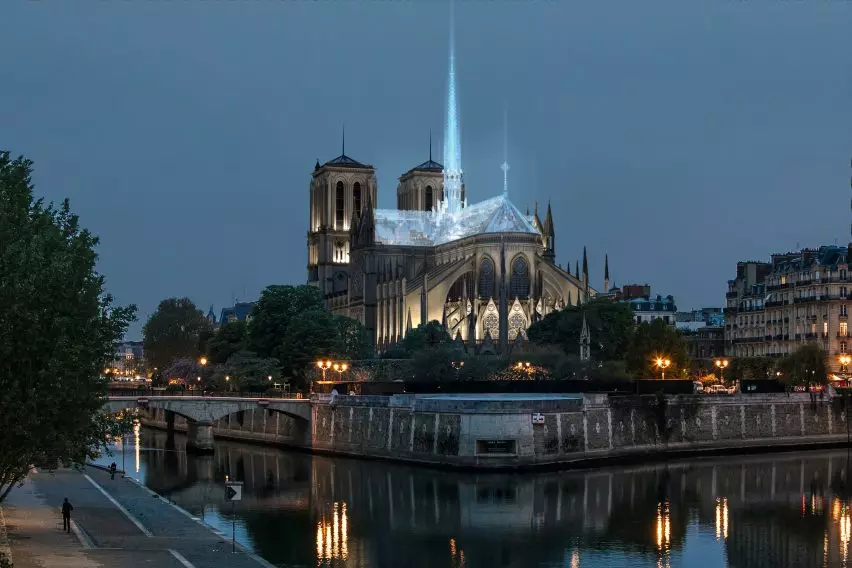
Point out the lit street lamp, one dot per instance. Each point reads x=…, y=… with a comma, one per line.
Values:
x=340, y=368
x=722, y=364
x=457, y=365
x=325, y=366
x=663, y=364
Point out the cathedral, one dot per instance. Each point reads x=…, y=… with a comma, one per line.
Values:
x=485, y=270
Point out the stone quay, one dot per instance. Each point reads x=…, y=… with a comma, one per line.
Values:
x=506, y=431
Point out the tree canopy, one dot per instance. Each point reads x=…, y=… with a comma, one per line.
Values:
x=277, y=307
x=610, y=326
x=176, y=330
x=230, y=338
x=59, y=328
x=428, y=336
x=804, y=366
x=656, y=340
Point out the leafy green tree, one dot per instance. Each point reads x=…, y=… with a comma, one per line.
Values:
x=354, y=340
x=804, y=366
x=656, y=340
x=277, y=307
x=748, y=368
x=436, y=364
x=246, y=371
x=230, y=338
x=429, y=336
x=187, y=370
x=175, y=331
x=610, y=327
x=59, y=328
x=311, y=336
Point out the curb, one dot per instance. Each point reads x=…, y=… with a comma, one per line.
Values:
x=5, y=547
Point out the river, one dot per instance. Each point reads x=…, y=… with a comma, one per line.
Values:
x=298, y=510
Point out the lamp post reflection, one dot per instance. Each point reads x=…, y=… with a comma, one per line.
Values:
x=664, y=534
x=333, y=536
x=721, y=518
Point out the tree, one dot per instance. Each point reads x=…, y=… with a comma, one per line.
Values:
x=175, y=331
x=804, y=366
x=310, y=336
x=59, y=328
x=749, y=368
x=277, y=306
x=354, y=340
x=431, y=335
x=247, y=371
x=610, y=327
x=653, y=340
x=185, y=369
x=230, y=338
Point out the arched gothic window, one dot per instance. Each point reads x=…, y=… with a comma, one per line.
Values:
x=356, y=198
x=519, y=284
x=339, y=204
x=486, y=278
x=491, y=321
x=429, y=198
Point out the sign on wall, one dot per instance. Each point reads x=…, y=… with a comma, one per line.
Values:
x=538, y=418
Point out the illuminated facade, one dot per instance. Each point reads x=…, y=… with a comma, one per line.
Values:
x=487, y=271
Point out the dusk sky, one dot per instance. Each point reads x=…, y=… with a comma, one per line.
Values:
x=678, y=137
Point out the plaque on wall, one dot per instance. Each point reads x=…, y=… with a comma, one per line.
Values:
x=495, y=447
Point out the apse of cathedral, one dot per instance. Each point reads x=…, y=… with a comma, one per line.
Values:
x=485, y=270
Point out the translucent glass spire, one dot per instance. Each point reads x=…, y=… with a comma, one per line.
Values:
x=452, y=137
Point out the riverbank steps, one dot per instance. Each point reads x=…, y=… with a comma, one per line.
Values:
x=116, y=523
x=523, y=431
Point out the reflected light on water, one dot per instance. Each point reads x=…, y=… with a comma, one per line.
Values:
x=137, y=426
x=456, y=554
x=845, y=534
x=721, y=518
x=664, y=534
x=333, y=535
x=575, y=558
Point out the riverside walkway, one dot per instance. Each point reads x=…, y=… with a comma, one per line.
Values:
x=116, y=524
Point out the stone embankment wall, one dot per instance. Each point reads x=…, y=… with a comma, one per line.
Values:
x=510, y=431
x=502, y=433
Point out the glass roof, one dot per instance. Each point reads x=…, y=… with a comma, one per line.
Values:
x=426, y=228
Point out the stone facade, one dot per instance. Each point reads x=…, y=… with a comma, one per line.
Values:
x=499, y=431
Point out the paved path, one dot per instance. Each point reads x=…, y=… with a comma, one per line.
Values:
x=117, y=524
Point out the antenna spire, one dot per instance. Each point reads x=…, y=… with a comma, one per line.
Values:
x=343, y=141
x=430, y=144
x=505, y=166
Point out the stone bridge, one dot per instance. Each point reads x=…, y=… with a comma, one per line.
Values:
x=201, y=411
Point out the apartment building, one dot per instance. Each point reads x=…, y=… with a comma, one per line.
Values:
x=775, y=307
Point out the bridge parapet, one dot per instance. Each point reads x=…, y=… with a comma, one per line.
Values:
x=202, y=411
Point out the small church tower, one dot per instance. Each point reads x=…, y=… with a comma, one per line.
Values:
x=549, y=235
x=585, y=341
x=606, y=275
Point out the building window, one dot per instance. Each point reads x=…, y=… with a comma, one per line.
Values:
x=486, y=278
x=340, y=204
x=825, y=328
x=519, y=283
x=843, y=347
x=844, y=329
x=356, y=198
x=429, y=198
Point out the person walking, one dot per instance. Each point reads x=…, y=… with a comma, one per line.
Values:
x=112, y=469
x=66, y=515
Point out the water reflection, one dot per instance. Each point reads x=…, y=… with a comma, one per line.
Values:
x=766, y=511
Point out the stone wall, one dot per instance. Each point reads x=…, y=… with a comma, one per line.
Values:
x=498, y=430
x=492, y=431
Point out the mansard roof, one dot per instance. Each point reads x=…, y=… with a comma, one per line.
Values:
x=426, y=228
x=344, y=161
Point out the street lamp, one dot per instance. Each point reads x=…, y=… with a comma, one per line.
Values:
x=663, y=364
x=340, y=368
x=844, y=362
x=325, y=366
x=457, y=365
x=722, y=364
x=203, y=361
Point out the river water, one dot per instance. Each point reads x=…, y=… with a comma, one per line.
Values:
x=300, y=510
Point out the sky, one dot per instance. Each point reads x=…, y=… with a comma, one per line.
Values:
x=676, y=137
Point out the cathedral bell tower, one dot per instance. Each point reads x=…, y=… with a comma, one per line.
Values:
x=340, y=189
x=421, y=187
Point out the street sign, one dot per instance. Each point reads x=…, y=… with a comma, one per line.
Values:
x=538, y=418
x=233, y=491
x=262, y=402
x=142, y=400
